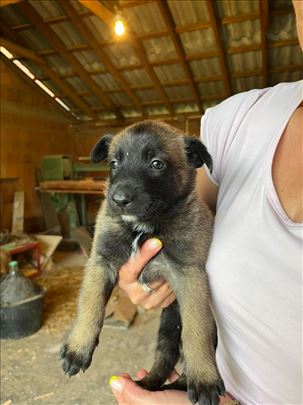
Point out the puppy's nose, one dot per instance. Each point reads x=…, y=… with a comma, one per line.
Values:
x=122, y=198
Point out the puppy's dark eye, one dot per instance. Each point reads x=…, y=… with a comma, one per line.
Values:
x=157, y=164
x=114, y=164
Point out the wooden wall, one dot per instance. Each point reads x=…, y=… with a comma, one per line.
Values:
x=30, y=128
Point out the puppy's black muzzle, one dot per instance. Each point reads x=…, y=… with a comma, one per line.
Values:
x=123, y=197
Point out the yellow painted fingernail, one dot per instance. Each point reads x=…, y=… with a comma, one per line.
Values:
x=155, y=243
x=115, y=383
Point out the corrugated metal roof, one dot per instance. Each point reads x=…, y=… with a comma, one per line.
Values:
x=105, y=81
x=59, y=65
x=198, y=41
x=188, y=12
x=11, y=16
x=34, y=40
x=242, y=33
x=248, y=61
x=168, y=73
x=77, y=84
x=210, y=103
x=159, y=49
x=284, y=55
x=184, y=108
x=247, y=83
x=212, y=88
x=178, y=92
x=136, y=77
x=276, y=4
x=129, y=112
x=92, y=101
x=122, y=54
x=47, y=8
x=281, y=77
x=156, y=110
x=205, y=67
x=68, y=34
x=228, y=8
x=98, y=28
x=78, y=6
x=89, y=60
x=282, y=27
x=106, y=115
x=147, y=95
x=150, y=14
x=119, y=99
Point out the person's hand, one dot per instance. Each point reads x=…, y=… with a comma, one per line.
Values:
x=127, y=392
x=162, y=294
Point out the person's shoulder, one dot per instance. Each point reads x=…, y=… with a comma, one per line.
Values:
x=240, y=103
x=232, y=108
x=219, y=126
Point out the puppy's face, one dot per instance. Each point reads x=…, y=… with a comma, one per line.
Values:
x=152, y=167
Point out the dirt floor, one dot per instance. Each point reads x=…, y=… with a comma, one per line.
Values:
x=30, y=370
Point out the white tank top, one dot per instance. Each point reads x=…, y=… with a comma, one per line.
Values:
x=255, y=260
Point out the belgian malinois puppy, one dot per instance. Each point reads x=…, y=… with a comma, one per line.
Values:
x=151, y=192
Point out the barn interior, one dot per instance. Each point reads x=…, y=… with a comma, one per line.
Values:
x=68, y=78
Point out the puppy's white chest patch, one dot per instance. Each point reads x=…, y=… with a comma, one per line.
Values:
x=135, y=245
x=139, y=227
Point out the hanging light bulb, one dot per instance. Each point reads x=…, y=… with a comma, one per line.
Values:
x=119, y=26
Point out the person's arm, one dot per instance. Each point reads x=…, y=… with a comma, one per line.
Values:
x=207, y=190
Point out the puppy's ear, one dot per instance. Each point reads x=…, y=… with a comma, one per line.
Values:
x=197, y=153
x=100, y=150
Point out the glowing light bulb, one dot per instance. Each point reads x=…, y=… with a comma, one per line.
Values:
x=119, y=26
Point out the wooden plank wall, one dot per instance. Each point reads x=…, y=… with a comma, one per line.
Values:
x=30, y=128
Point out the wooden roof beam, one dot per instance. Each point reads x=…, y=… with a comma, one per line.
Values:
x=33, y=16
x=104, y=14
x=263, y=9
x=170, y=24
x=21, y=50
x=222, y=57
x=68, y=9
x=7, y=2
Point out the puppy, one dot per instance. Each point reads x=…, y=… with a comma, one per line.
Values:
x=151, y=192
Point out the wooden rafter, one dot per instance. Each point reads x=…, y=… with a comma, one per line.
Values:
x=170, y=24
x=222, y=57
x=106, y=15
x=21, y=50
x=7, y=2
x=70, y=12
x=263, y=9
x=33, y=16
x=63, y=86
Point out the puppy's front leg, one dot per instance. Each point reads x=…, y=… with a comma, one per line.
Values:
x=77, y=351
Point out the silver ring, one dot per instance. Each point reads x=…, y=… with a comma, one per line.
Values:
x=147, y=288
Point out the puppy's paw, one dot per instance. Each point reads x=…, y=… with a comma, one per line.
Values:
x=75, y=360
x=152, y=383
x=205, y=394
